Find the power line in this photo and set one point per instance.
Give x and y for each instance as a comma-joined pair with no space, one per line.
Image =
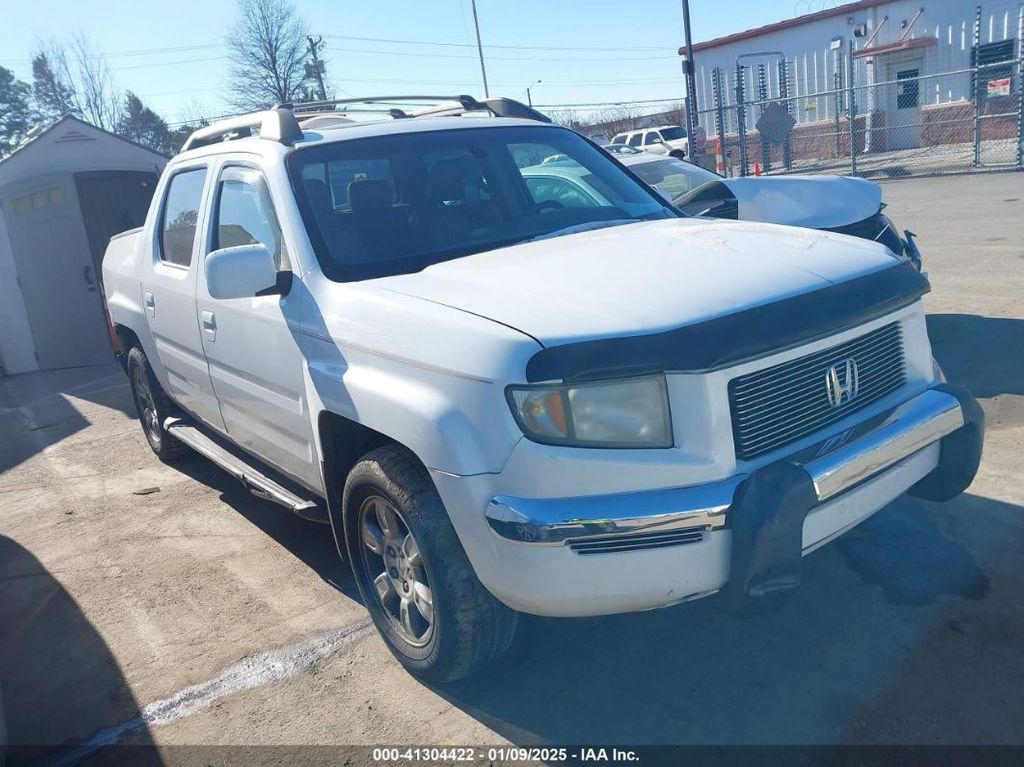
528,59
388,40
503,47
609,103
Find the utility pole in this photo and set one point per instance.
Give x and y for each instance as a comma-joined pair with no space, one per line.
691,81
480,50
316,69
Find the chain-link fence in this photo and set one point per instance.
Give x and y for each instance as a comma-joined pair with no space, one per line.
901,123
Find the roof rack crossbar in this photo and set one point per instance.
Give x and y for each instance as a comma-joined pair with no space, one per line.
276,124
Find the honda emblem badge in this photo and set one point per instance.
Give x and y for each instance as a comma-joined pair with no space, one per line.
842,382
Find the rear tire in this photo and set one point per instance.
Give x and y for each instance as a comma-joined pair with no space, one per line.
154,406
433,613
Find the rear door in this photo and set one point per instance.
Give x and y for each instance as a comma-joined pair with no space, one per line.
169,291
255,362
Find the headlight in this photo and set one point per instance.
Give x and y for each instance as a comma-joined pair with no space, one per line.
628,413
888,236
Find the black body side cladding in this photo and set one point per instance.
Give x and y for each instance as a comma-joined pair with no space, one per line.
738,337
960,452
767,522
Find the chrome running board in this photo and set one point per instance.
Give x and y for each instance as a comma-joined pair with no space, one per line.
255,481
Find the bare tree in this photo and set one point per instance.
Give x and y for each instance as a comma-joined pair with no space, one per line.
268,54
571,119
99,100
618,120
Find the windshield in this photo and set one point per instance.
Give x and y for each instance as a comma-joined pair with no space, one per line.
673,178
672,134
399,203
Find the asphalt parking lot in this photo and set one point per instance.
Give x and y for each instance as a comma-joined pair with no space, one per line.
141,603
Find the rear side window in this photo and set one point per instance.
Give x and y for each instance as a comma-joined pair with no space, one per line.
181,216
634,139
620,139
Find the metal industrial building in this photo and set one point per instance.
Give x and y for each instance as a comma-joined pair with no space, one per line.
907,63
63,193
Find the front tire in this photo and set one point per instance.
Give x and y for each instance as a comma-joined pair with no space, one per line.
413,575
154,407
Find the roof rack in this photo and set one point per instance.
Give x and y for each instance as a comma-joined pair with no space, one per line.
449,105
277,124
281,122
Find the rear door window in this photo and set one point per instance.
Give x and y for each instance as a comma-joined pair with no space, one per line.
634,139
181,216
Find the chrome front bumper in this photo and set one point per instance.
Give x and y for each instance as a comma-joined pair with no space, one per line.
833,466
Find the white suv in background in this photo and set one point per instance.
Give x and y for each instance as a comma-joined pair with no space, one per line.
665,139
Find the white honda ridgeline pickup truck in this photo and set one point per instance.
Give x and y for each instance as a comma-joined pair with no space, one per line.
508,404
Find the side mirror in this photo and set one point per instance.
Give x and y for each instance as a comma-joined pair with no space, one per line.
243,271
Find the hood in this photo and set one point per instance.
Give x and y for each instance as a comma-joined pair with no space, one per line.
640,278
819,202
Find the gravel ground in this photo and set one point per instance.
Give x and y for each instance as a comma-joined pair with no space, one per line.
143,604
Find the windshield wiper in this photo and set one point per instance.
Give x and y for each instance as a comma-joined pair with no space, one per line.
588,227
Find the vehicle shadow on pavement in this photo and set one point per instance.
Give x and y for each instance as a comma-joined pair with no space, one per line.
61,683
986,354
309,542
882,643
36,412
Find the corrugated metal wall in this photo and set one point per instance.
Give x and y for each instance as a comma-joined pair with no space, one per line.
813,65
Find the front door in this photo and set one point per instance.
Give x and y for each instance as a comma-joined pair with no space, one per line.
255,362
653,143
57,277
905,106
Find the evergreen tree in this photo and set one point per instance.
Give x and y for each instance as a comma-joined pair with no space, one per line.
142,125
15,110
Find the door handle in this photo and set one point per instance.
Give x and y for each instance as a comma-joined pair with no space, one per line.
209,323
149,302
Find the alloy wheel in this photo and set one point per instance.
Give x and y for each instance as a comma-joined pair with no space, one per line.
146,404
394,565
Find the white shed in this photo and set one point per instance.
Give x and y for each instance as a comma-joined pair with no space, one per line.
63,193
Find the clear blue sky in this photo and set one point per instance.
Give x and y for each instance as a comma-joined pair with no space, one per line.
634,59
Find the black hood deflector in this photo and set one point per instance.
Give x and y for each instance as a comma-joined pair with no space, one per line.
734,338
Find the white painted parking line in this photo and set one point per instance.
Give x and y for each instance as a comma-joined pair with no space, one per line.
257,670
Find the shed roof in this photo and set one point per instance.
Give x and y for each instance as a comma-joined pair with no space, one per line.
64,139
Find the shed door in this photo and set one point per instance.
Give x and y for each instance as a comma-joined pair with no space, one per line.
58,279
112,202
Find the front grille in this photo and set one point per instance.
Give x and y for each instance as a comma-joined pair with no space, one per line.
777,406
633,542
